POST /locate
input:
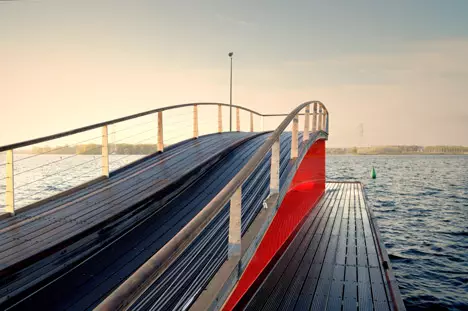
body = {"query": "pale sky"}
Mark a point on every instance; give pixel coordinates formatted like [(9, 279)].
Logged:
[(399, 68)]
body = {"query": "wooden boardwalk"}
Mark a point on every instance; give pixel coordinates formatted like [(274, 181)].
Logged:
[(335, 262), (47, 228)]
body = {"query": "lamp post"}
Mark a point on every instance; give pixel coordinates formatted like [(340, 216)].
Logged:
[(230, 95)]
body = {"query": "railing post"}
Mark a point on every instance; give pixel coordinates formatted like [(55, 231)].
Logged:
[(294, 141), (324, 120), (160, 132), (251, 122), (319, 118), (10, 185), (237, 119), (314, 118), (275, 165), (326, 123), (220, 119), (306, 123), (105, 151), (195, 121), (234, 248)]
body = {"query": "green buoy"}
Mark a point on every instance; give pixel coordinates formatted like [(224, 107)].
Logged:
[(373, 174)]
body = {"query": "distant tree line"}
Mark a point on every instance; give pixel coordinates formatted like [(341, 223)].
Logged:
[(394, 150), (94, 149)]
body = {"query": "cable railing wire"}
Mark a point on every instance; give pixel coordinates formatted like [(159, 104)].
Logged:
[(152, 121), (182, 121), (133, 126), (180, 128), (59, 172), (122, 139), (59, 148), (72, 177), (62, 183), (88, 150), (129, 155), (61, 159)]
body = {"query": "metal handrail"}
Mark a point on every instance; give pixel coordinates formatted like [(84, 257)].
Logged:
[(10, 187), (101, 124), (131, 287)]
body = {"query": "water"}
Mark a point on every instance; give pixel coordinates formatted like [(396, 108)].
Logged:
[(421, 205)]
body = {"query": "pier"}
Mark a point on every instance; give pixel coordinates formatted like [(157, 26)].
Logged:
[(216, 220)]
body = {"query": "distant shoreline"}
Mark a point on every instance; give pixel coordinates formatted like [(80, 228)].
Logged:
[(400, 150), (141, 149), (396, 154)]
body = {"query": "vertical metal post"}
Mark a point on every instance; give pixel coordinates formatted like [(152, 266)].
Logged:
[(10, 185), (230, 96), (319, 118), (326, 124), (237, 119), (306, 123), (324, 119), (105, 151), (234, 248), (160, 132), (314, 118), (294, 141), (251, 122), (220, 119), (195, 121), (275, 165)]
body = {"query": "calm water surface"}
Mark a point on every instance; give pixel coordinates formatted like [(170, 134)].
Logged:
[(421, 205)]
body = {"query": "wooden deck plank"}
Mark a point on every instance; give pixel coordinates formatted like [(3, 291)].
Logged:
[(295, 252), (320, 293), (289, 290), (115, 176), (96, 277), (55, 225), (78, 201), (116, 193), (345, 270)]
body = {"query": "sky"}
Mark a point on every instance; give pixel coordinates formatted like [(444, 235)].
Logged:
[(389, 72)]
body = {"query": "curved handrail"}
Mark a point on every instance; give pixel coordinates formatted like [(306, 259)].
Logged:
[(132, 286), (101, 124)]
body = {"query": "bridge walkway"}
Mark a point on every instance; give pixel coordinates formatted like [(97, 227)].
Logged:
[(335, 262), (45, 230), (80, 275)]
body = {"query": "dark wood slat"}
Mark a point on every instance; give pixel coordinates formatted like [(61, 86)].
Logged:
[(365, 295), (68, 222), (294, 252), (345, 272), (168, 153), (96, 277), (290, 290), (322, 290)]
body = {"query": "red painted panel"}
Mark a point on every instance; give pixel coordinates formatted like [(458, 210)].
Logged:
[(306, 188)]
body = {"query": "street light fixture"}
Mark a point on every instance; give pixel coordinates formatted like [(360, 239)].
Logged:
[(230, 95)]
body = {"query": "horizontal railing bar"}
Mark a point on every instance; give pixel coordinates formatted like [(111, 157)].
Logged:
[(98, 125)]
